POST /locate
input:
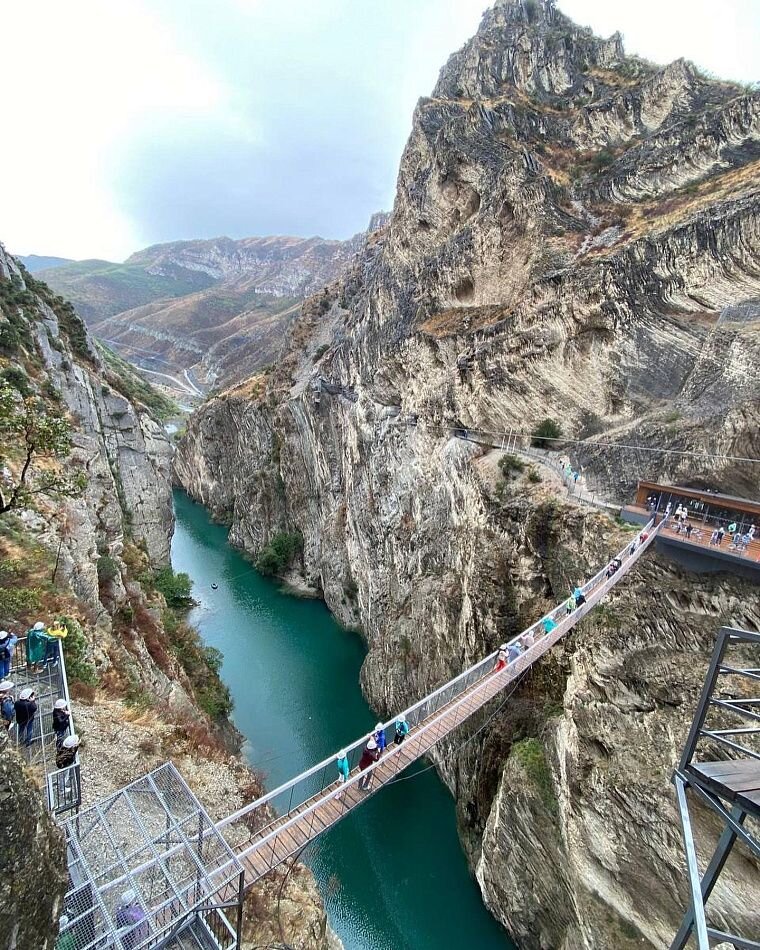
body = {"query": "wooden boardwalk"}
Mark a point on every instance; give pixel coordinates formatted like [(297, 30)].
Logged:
[(285, 836)]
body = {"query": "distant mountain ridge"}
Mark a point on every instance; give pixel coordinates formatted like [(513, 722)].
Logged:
[(37, 262), (215, 308)]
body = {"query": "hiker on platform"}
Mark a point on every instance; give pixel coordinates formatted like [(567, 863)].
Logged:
[(379, 737), (36, 646), (370, 755), (67, 754), (7, 642), (26, 711), (344, 769), (7, 704), (721, 535), (61, 721), (130, 919)]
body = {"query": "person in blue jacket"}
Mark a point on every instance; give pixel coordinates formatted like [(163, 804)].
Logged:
[(514, 650), (578, 597), (379, 737), (549, 624), (7, 642), (344, 770)]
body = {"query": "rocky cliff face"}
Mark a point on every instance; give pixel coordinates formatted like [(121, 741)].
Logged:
[(32, 861), (144, 687), (569, 223)]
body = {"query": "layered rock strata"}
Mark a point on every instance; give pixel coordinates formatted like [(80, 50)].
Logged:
[(569, 224)]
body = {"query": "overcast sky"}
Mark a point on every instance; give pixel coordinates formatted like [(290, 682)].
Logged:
[(129, 122)]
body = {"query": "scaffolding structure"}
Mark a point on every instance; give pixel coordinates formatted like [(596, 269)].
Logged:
[(720, 769), (146, 868)]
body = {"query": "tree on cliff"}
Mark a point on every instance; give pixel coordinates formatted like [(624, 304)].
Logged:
[(38, 440)]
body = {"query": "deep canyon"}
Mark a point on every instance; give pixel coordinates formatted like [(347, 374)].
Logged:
[(575, 236)]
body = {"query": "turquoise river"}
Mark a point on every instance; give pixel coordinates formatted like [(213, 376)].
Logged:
[(392, 874)]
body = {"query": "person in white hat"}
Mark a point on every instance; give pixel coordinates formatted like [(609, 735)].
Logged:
[(370, 755), (7, 703), (26, 712), (7, 642), (61, 721), (130, 919), (344, 769), (67, 754), (379, 737)]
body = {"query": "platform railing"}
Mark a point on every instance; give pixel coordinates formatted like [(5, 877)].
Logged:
[(309, 787)]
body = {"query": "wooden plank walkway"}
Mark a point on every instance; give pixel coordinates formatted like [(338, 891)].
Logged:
[(285, 836)]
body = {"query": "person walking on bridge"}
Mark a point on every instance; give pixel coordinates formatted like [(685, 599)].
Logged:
[(579, 597), (379, 737), (501, 659), (549, 624), (344, 770), (370, 755), (402, 730), (514, 652)]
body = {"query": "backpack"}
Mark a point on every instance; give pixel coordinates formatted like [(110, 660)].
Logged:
[(8, 709)]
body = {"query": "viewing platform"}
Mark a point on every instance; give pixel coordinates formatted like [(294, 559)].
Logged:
[(707, 512), (720, 770)]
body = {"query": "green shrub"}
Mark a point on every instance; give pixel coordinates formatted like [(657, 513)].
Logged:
[(108, 569), (509, 464), (531, 756), (602, 159), (534, 477), (16, 377), (544, 432), (76, 652), (276, 556), (176, 587), (19, 600)]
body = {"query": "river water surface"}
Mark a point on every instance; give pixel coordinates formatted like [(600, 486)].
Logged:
[(392, 873)]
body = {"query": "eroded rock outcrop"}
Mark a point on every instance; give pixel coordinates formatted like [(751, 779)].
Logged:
[(569, 223)]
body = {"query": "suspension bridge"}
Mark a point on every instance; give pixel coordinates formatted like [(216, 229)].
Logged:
[(186, 876)]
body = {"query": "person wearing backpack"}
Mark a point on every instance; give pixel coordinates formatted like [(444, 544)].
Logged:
[(26, 712), (7, 642), (7, 704)]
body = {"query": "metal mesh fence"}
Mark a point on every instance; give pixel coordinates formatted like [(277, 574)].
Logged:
[(141, 862)]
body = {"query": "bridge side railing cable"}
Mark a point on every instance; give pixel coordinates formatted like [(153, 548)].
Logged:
[(293, 794)]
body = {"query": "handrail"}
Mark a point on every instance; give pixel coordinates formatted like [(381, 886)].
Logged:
[(511, 672), (627, 557), (286, 786)]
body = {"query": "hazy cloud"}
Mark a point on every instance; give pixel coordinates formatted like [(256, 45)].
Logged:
[(130, 122)]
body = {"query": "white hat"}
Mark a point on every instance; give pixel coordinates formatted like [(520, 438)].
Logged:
[(503, 646), (4, 634), (401, 718), (5, 686), (39, 625), (378, 727), (371, 744), (71, 742), (128, 897), (342, 754), (25, 694), (59, 704), (63, 920)]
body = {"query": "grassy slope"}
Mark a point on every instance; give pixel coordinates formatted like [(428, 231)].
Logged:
[(99, 289)]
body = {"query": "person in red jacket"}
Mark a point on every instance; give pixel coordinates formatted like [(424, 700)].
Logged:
[(370, 755)]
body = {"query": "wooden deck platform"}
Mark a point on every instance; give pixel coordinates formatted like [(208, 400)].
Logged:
[(734, 780)]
